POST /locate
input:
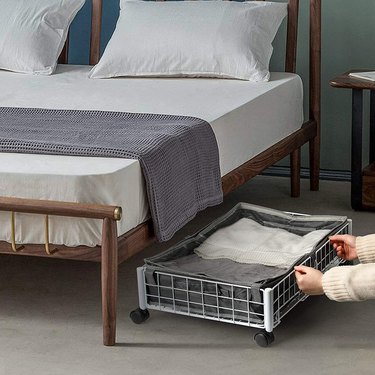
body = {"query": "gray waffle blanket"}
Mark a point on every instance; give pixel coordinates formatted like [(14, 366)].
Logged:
[(178, 154)]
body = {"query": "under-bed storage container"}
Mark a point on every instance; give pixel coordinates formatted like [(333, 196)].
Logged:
[(180, 282)]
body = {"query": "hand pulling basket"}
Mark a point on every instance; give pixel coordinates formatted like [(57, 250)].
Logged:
[(255, 295)]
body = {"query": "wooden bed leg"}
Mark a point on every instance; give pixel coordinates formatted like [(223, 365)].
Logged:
[(314, 148), (109, 269), (295, 170)]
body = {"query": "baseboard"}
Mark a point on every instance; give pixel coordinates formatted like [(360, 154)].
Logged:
[(325, 174)]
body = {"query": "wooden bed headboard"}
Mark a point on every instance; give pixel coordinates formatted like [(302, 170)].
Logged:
[(96, 27)]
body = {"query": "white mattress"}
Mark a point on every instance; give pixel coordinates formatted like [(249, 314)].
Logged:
[(246, 117)]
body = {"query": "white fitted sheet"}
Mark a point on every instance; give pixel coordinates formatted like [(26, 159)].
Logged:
[(246, 117)]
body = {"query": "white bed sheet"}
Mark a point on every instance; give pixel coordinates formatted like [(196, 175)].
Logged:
[(246, 118)]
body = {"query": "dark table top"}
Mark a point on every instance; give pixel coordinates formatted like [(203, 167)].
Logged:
[(346, 82)]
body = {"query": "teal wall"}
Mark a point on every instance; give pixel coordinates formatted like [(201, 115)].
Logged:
[(348, 41)]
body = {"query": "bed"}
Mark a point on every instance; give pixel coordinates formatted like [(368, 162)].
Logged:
[(78, 200)]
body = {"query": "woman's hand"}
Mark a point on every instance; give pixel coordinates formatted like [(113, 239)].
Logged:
[(309, 280), (344, 244)]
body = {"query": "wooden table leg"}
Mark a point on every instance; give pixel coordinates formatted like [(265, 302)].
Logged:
[(295, 167), (357, 120), (372, 126), (109, 267)]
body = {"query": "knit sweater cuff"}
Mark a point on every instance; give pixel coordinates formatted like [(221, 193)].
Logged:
[(334, 285), (366, 248)]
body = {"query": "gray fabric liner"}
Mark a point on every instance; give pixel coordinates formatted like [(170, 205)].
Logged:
[(180, 259), (178, 154)]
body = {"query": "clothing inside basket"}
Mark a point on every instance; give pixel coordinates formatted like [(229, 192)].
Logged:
[(247, 241), (181, 258)]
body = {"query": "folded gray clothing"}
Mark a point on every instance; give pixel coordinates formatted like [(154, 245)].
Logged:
[(178, 154)]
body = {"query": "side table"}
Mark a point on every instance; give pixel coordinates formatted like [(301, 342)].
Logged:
[(363, 180)]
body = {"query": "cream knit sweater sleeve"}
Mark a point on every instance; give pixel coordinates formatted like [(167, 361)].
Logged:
[(353, 283)]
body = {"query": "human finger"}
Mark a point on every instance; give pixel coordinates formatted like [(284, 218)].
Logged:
[(340, 254), (344, 254), (337, 244), (299, 276), (339, 249), (337, 237), (302, 269)]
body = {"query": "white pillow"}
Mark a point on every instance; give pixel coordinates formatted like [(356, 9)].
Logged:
[(192, 38), (33, 33)]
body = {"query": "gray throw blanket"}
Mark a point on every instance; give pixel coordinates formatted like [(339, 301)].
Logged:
[(178, 154)]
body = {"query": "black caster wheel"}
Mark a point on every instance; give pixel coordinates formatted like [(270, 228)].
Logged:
[(139, 316), (264, 338)]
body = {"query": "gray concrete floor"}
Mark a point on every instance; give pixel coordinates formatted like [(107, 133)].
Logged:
[(50, 314)]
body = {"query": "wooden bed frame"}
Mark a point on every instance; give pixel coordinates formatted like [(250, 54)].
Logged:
[(115, 250)]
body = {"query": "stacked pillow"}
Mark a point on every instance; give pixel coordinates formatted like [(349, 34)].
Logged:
[(33, 33)]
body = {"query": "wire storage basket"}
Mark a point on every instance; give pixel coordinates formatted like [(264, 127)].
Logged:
[(260, 306)]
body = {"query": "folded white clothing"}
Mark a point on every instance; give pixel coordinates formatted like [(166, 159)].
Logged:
[(247, 241)]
